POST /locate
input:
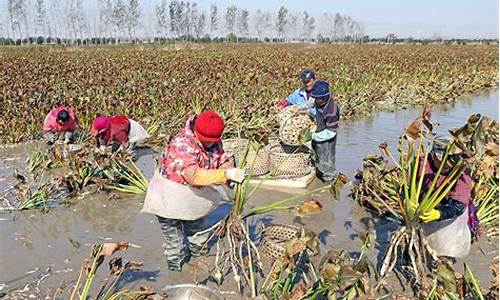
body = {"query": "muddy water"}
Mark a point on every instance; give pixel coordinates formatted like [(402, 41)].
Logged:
[(33, 243)]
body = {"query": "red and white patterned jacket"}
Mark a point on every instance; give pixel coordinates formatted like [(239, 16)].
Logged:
[(185, 150)]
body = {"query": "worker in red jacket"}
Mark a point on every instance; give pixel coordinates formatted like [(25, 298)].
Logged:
[(118, 131), (60, 123)]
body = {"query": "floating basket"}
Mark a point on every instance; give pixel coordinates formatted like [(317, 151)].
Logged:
[(236, 147), (288, 165), (291, 129), (274, 237)]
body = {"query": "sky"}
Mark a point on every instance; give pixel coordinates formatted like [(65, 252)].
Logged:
[(423, 18), (417, 19)]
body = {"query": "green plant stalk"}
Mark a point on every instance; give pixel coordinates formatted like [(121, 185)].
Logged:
[(264, 284), (439, 194), (422, 175), (476, 288), (253, 286), (414, 173), (111, 288), (246, 184), (90, 277), (279, 204), (438, 173), (487, 201), (403, 164)]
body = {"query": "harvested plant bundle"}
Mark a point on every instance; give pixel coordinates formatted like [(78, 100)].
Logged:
[(295, 130)]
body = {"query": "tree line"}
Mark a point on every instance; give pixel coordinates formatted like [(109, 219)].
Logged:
[(60, 21)]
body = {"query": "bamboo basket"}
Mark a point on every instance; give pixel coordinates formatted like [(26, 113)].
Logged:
[(290, 129), (285, 114), (284, 165), (236, 148), (274, 237)]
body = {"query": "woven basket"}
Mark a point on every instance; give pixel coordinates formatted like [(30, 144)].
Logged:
[(285, 114), (237, 148), (290, 129), (288, 165), (274, 237), (272, 141)]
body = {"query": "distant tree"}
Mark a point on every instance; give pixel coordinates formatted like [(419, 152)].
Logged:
[(267, 23), (213, 18), (40, 18), (173, 11), (194, 20), (105, 12), (199, 28), (292, 31), (133, 15), (186, 24), (161, 17), (119, 16), (16, 10), (258, 23), (282, 21), (231, 18), (243, 22), (338, 27)]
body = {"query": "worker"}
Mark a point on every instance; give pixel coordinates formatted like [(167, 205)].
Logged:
[(187, 186), (324, 139), (303, 94), (60, 123), (453, 224), (120, 132)]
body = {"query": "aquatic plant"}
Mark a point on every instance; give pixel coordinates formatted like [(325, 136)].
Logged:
[(154, 86), (108, 289)]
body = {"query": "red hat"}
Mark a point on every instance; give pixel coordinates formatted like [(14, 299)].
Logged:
[(209, 127)]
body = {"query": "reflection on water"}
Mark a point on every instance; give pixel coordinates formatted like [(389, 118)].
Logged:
[(357, 139)]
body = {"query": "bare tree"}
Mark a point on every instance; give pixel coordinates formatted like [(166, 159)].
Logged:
[(161, 17), (199, 28), (231, 18), (243, 22), (18, 18), (119, 17), (214, 18), (134, 13), (105, 12), (175, 10), (308, 26), (41, 18), (338, 27), (282, 21)]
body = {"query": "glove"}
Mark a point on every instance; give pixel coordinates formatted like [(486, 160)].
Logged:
[(235, 174), (430, 216)]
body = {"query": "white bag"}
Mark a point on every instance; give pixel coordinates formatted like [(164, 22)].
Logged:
[(449, 237), (137, 132)]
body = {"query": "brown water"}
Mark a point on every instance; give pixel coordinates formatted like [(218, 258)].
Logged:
[(33, 243)]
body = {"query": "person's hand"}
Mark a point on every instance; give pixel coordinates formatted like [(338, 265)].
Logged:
[(283, 103), (235, 174), (430, 216)]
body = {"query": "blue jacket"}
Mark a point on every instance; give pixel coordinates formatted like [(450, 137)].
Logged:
[(299, 97)]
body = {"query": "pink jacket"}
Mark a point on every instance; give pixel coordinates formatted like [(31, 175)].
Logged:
[(50, 124)]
